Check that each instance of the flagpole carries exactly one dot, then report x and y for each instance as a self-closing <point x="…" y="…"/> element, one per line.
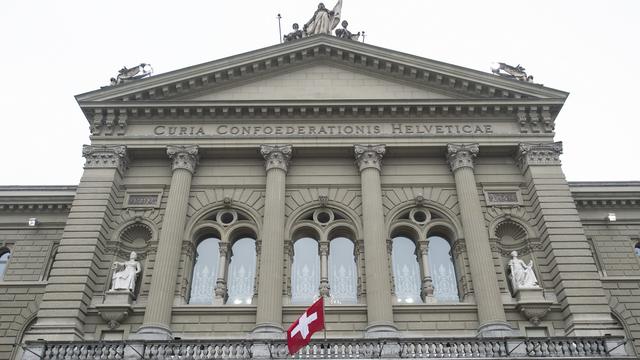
<point x="324" y="313"/>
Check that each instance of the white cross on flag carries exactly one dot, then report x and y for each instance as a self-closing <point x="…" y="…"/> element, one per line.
<point x="299" y="333"/>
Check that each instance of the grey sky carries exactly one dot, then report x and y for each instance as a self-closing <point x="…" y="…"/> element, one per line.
<point x="53" y="50"/>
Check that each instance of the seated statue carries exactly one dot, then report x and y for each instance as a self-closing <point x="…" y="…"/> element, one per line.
<point x="522" y="275"/>
<point x="125" y="279"/>
<point x="295" y="34"/>
<point x="346" y="34"/>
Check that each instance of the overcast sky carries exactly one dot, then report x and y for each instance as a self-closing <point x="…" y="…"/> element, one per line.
<point x="53" y="50"/>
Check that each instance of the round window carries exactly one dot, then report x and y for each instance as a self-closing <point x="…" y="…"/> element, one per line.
<point x="227" y="217"/>
<point x="420" y="216"/>
<point x="323" y="217"/>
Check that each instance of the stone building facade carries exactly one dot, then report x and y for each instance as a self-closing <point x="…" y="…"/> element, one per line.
<point x="395" y="186"/>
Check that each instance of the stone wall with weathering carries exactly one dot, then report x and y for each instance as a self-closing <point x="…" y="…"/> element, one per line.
<point x="32" y="251"/>
<point x="610" y="213"/>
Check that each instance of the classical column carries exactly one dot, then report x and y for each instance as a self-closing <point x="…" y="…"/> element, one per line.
<point x="427" y="281"/>
<point x="576" y="281"/>
<point x="491" y="313"/>
<point x="324" y="268"/>
<point x="157" y="317"/>
<point x="62" y="311"/>
<point x="379" y="304"/>
<point x="269" y="304"/>
<point x="221" y="284"/>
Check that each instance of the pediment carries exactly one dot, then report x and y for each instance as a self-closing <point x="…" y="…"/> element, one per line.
<point x="319" y="82"/>
<point x="405" y="76"/>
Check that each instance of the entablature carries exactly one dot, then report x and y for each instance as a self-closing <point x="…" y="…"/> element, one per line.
<point x="115" y="119"/>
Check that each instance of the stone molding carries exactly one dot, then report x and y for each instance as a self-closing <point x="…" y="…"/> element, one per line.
<point x="369" y="156"/>
<point x="105" y="156"/>
<point x="184" y="157"/>
<point x="461" y="155"/>
<point x="538" y="154"/>
<point x="276" y="156"/>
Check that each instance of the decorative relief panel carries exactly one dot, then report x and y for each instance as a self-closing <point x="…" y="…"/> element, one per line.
<point x="396" y="196"/>
<point x="143" y="199"/>
<point x="506" y="196"/>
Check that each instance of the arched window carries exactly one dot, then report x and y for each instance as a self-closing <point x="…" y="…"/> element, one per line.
<point x="5" y="255"/>
<point x="305" y="271"/>
<point x="205" y="271"/>
<point x="242" y="271"/>
<point x="406" y="271"/>
<point x="637" y="248"/>
<point x="343" y="276"/>
<point x="443" y="274"/>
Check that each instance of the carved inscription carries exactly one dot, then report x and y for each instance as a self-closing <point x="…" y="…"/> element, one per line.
<point x="392" y="129"/>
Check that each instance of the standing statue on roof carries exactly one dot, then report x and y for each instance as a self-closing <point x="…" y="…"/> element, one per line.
<point x="323" y="20"/>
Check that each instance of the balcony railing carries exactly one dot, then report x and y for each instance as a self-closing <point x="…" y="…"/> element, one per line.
<point x="466" y="348"/>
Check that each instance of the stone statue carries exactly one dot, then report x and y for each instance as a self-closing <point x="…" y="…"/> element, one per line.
<point x="323" y="20"/>
<point x="346" y="34"/>
<point x="295" y="34"/>
<point x="125" y="279"/>
<point x="129" y="74"/>
<point x="522" y="275"/>
<point x="512" y="72"/>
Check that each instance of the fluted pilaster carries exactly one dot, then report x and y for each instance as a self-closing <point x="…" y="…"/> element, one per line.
<point x="379" y="302"/>
<point x="485" y="283"/>
<point x="269" y="304"/>
<point x="157" y="317"/>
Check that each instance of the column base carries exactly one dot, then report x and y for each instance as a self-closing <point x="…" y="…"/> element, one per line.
<point x="495" y="329"/>
<point x="268" y="329"/>
<point x="381" y="330"/>
<point x="152" y="332"/>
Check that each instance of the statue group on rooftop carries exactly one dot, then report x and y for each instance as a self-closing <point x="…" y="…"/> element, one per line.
<point x="323" y="21"/>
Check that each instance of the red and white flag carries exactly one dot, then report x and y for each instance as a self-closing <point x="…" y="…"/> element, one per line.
<point x="299" y="333"/>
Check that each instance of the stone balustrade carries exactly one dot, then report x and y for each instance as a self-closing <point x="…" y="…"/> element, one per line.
<point x="467" y="348"/>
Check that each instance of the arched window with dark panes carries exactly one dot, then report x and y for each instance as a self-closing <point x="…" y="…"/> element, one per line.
<point x="443" y="273"/>
<point x="305" y="271"/>
<point x="406" y="270"/>
<point x="205" y="271"/>
<point x="343" y="273"/>
<point x="242" y="272"/>
<point x="5" y="255"/>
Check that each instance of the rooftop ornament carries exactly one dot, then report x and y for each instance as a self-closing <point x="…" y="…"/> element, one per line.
<point x="323" y="21"/>
<point x="130" y="74"/>
<point x="511" y="72"/>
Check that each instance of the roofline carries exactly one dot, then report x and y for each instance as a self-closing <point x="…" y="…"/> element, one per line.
<point x="254" y="55"/>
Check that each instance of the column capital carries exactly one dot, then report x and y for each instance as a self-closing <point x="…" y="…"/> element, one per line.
<point x="105" y="156"/>
<point x="276" y="156"/>
<point x="369" y="156"/>
<point x="461" y="155"/>
<point x="184" y="157"/>
<point x="538" y="154"/>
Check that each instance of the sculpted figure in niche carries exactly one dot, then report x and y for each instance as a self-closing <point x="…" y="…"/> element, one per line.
<point x="323" y="20"/>
<point x="522" y="275"/>
<point x="125" y="278"/>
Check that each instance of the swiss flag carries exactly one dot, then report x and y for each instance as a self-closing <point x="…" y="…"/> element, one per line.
<point x="299" y="333"/>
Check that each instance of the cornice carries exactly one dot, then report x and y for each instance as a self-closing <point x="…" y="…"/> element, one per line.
<point x="36" y="198"/>
<point x="326" y="48"/>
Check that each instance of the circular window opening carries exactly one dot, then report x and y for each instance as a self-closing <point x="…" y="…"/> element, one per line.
<point x="227" y="217"/>
<point x="324" y="217"/>
<point x="420" y="216"/>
